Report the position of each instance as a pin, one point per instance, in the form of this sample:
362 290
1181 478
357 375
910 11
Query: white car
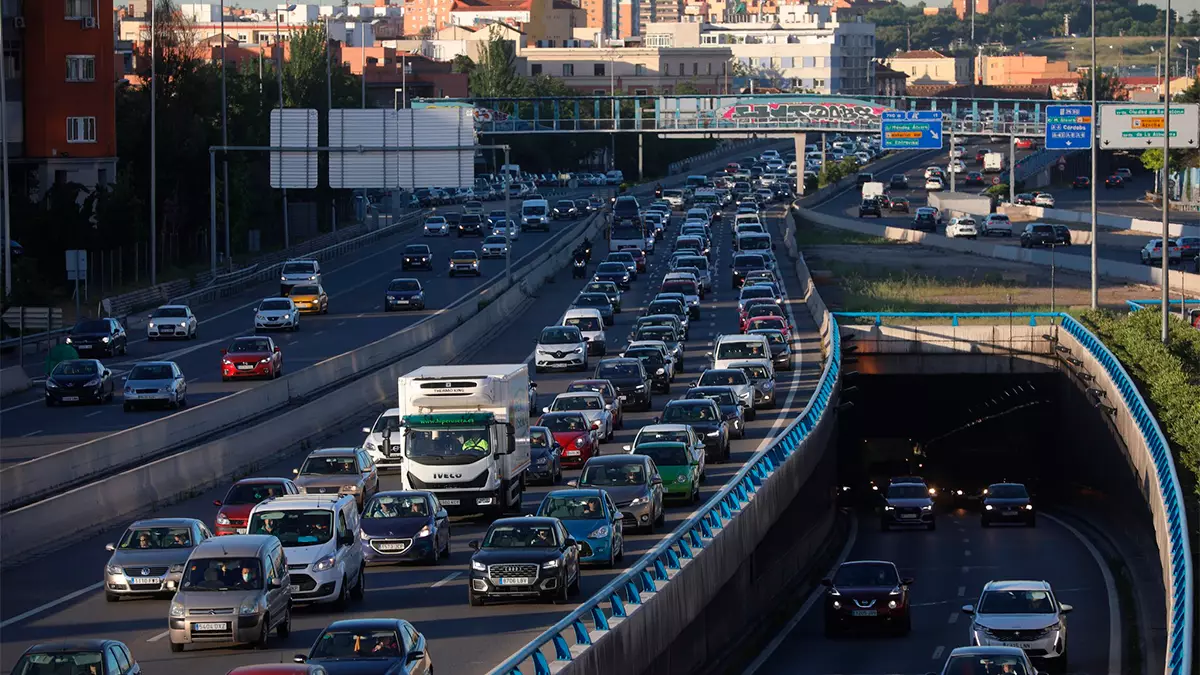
962 227
385 456
172 321
590 322
300 272
436 226
1021 613
934 184
996 224
1152 252
957 152
593 406
932 171
276 314
671 433
514 232
956 166
1044 199
560 347
495 246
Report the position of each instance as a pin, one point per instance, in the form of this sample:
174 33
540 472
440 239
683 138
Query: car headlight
312 278
599 532
639 500
105 340
177 610
222 519
550 564
577 350
113 569
260 317
51 384
287 316
891 604
183 324
150 325
579 442
712 433
266 360
128 390
478 566
987 507
682 478
282 278
927 507
837 604
660 371
1029 507
226 362
349 488
640 387
889 508
326 563
424 532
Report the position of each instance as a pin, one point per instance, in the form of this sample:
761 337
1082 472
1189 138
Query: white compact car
590 322
934 184
172 321
277 314
300 272
494 246
560 347
1023 614
388 457
1044 199
436 226
996 224
962 227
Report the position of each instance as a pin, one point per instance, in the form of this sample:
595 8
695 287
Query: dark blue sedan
545 456
370 647
405 526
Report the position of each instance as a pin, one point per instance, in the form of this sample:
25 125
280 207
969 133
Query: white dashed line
53 603
32 433
937 652
962 591
967 553
158 637
93 414
953 618
447 579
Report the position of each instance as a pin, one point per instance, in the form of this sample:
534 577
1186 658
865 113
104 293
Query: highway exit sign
1069 127
1144 125
911 129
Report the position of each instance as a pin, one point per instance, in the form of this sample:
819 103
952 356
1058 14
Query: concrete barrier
84 511
1117 222
13 380
1044 257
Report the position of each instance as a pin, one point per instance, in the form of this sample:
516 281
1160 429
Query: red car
571 431
1026 144
979 156
243 496
251 356
758 311
773 322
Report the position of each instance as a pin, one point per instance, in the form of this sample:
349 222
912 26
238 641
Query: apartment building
60 108
928 66
632 70
1020 69
542 21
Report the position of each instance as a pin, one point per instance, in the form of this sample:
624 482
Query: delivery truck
872 190
993 162
464 435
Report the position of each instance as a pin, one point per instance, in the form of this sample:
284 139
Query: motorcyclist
580 262
658 189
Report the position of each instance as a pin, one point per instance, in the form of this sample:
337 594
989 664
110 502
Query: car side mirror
608 406
570 541
366 430
969 610
110 547
274 583
572 483
545 409
1065 609
217 503
346 540
299 658
416 655
107 373
473 544
656 480
276 349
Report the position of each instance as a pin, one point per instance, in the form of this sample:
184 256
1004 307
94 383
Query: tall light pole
224 141
287 238
1092 183
153 147
4 160
612 92
1166 189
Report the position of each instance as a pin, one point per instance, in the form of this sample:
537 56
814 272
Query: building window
568 70
81 129
708 68
639 92
599 92
598 69
535 69
639 69
681 72
81 68
695 68
819 83
78 9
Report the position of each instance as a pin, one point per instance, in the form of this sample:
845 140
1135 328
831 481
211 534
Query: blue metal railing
1135 305
622 595
1179 566
953 316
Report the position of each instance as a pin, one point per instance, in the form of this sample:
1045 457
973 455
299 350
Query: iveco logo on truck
446 476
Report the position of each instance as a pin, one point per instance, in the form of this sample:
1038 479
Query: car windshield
907 491
298 268
680 286
559 336
651 356
559 423
593 300
866 574
683 414
305 290
520 536
584 323
623 258
494 240
250 346
357 644
143 538
665 454
1016 602
274 305
989 664
608 475
664 307
416 249
721 397
222 574
753 261
723 378
60 663
91 327
405 285
565 204
698 262
617 370
597 287
253 493
294 528
740 350
76 368
655 333
611 268
774 321
393 506
323 465
572 508
1008 492
774 337
169 313
464 255
570 403
151 372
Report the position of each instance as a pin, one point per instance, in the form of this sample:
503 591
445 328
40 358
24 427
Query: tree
1191 94
1108 87
461 63
495 75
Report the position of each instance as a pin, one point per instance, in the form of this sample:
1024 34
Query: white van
320 537
590 322
535 215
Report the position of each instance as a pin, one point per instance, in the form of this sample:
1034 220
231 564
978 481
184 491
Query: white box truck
872 189
993 162
464 435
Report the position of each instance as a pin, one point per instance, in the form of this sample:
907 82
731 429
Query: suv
472 224
628 376
560 347
899 181
996 223
521 558
299 272
246 571
730 348
870 207
925 219
1007 502
1041 234
1023 614
339 471
907 503
321 535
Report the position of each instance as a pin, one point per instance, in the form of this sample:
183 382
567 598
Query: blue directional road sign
1069 127
911 129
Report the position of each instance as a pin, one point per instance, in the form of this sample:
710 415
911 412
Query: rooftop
922 54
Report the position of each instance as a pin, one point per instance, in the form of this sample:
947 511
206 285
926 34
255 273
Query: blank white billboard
294 128
359 130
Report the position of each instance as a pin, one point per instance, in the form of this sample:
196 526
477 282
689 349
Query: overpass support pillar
801 142
640 178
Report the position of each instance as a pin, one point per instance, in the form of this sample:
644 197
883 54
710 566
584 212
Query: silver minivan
235 590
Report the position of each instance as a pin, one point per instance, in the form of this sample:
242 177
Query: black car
705 417
870 207
626 208
732 410
565 208
608 288
974 178
925 221
743 264
672 307
907 504
404 526
370 647
658 370
630 380
472 224
898 182
79 381
898 204
615 272
583 206
870 593
1081 182
1041 234
521 558
1024 199
1114 181
78 656
404 294
417 256
453 218
781 348
104 337
545 456
864 178
1007 503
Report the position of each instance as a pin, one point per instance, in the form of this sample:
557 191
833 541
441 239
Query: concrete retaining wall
952 350
39 528
1151 227
13 380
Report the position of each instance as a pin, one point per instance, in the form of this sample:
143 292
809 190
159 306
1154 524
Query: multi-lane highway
59 596
355 285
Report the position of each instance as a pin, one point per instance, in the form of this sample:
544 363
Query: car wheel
573 588
832 630
472 599
751 414
446 550
183 402
176 648
128 407
1033 521
263 633
432 558
50 403
932 525
284 629
883 526
341 602
360 588
563 594
905 626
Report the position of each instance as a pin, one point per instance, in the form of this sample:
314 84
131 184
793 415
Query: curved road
58 597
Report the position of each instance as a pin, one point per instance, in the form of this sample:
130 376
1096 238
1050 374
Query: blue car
592 519
404 526
545 456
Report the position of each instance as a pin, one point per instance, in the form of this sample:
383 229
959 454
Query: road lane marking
953 618
965 569
93 414
937 652
447 579
967 553
19 405
32 433
52 604
966 541
962 591
158 637
1110 590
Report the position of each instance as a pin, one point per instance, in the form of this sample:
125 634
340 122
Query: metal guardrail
1138 305
650 572
1181 587
953 316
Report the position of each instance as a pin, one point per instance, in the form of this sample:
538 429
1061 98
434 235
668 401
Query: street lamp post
1166 187
4 160
153 146
224 159
287 239
1095 252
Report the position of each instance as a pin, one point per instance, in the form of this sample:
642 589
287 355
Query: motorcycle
580 268
658 191
586 249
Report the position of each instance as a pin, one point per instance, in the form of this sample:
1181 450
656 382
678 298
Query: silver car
300 272
150 556
738 380
633 483
599 413
762 378
155 383
1024 614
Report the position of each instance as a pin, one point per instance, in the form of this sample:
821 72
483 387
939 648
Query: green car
681 468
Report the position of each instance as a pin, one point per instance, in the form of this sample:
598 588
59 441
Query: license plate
1009 513
210 626
624 397
70 398
402 302
392 547
146 581
908 515
302 304
450 502
245 366
294 588
240 530
864 612
515 581
1020 645
84 346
